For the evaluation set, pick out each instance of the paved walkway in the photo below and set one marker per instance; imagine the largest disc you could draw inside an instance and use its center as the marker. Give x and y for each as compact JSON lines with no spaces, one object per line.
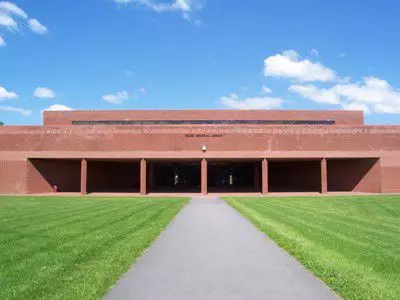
{"x":210,"y":251}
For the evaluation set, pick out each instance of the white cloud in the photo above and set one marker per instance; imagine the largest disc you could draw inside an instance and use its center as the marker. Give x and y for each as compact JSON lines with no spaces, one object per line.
{"x":186,"y":7}
{"x":8,"y":22}
{"x":372,"y":94}
{"x":355,"y":106}
{"x":36,"y":27}
{"x":44,"y":93}
{"x":11,"y":17}
{"x":318,"y":95}
{"x":265,"y":90}
{"x":123,"y":1}
{"x":233,"y":101}
{"x":4,"y":94}
{"x":24,"y":112}
{"x":387,"y":109}
{"x":314,"y":52}
{"x":177,"y":5}
{"x":118,"y":98}
{"x":8,"y":11}
{"x":57,"y":107}
{"x":12,"y":9}
{"x":142,"y":90}
{"x":2,"y":42}
{"x":289,"y":65}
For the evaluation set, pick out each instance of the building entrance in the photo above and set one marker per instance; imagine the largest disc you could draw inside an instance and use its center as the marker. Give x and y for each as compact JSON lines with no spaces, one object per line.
{"x":240,"y":176}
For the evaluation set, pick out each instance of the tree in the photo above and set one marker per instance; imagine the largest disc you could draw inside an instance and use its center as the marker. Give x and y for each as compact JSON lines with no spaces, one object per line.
{"x":1,"y":123}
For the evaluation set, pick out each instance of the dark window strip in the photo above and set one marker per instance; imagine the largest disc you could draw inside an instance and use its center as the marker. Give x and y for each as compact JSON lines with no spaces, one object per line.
{"x":206,"y":122}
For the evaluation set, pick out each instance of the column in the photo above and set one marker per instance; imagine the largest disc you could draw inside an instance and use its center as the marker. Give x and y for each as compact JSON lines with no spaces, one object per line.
{"x":265,"y":174}
{"x":204,"y":176}
{"x":83,"y":177}
{"x":143,"y":167}
{"x":324,"y":176}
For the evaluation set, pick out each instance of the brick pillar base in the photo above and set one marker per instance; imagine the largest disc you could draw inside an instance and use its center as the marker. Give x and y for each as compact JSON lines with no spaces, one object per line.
{"x":264,"y":168}
{"x":324,"y":176}
{"x":143,"y":177}
{"x":83,"y":177}
{"x":204,"y":176}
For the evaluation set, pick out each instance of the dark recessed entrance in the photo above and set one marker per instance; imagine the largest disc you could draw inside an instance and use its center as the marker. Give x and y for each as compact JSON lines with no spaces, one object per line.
{"x":294,"y":176}
{"x":113,"y":176}
{"x":234,"y":176}
{"x":171,"y":177}
{"x":45,"y":173}
{"x":354,"y":175}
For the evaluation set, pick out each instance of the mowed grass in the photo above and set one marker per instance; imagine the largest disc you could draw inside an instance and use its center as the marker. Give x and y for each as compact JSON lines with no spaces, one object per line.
{"x":74,"y":248}
{"x":351,"y":243}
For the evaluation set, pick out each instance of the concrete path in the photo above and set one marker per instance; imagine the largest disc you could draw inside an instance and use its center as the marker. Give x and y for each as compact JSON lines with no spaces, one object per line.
{"x":209,"y":251}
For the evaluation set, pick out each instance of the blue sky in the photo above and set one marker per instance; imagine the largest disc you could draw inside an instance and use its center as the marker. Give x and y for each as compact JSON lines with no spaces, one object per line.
{"x":211,"y":54}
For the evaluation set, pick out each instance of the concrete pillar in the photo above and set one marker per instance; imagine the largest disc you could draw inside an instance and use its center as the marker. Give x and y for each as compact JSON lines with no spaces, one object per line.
{"x":264,"y":169}
{"x":143,"y":177}
{"x":83,"y":177}
{"x":324,"y":176}
{"x":204,"y":176}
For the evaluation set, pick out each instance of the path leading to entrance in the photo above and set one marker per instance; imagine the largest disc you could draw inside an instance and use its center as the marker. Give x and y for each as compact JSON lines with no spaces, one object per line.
{"x":210,"y":251}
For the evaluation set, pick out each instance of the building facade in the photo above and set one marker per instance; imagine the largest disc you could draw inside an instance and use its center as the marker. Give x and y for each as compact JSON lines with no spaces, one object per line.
{"x":200,"y":152}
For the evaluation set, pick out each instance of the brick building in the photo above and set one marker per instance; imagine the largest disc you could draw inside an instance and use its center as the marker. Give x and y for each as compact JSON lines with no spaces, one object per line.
{"x":200,"y":152}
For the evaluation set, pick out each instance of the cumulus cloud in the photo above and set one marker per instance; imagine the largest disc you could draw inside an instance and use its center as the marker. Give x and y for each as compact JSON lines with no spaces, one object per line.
{"x":290,"y":65}
{"x":318,"y":95}
{"x":37,"y":27}
{"x":44,"y":93}
{"x":233,"y":101}
{"x":265,"y":90}
{"x":117,"y":98}
{"x":7,"y":21}
{"x":57,"y":107}
{"x":12,"y":9}
{"x":4,"y":94}
{"x":9,"y":13}
{"x":371,"y":94}
{"x":186,"y":7}
{"x":355,"y":106}
{"x":2,"y":42}
{"x":12,"y":16}
{"x":22,"y":111}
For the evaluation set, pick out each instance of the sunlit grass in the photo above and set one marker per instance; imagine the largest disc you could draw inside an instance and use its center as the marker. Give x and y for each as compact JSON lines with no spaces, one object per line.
{"x":74,"y":248}
{"x":351,"y":243}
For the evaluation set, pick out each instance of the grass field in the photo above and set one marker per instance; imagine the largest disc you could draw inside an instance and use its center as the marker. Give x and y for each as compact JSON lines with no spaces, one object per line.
{"x":74,"y":248}
{"x":351,"y":243}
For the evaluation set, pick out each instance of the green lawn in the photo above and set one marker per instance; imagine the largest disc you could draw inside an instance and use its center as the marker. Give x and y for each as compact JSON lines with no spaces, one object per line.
{"x":351,"y":243}
{"x":74,"y":248}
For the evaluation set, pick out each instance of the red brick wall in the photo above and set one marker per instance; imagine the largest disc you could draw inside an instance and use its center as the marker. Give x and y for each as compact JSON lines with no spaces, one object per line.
{"x":66,"y":117}
{"x":12,"y":176}
{"x":390,"y":175}
{"x":42,"y":174}
{"x":167,"y":138}
{"x":354,"y":175}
